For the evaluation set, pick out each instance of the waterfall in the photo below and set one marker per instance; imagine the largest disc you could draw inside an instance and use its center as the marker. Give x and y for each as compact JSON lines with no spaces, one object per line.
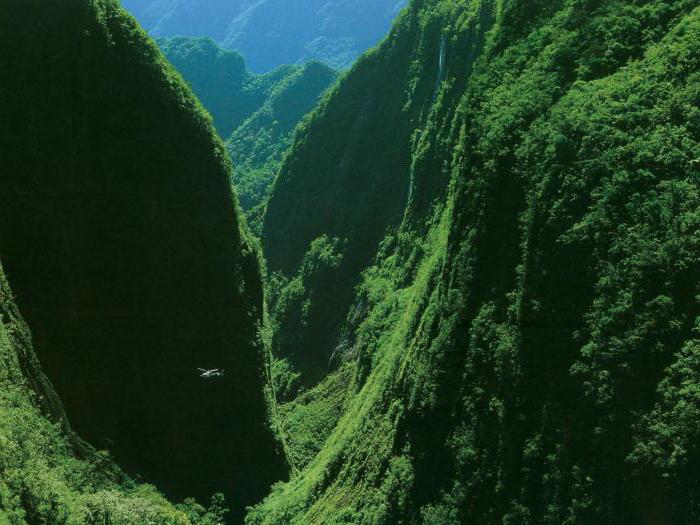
{"x":441,"y":67}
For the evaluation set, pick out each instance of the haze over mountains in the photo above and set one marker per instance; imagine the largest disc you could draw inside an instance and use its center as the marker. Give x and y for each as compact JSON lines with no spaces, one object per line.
{"x":269,"y":33}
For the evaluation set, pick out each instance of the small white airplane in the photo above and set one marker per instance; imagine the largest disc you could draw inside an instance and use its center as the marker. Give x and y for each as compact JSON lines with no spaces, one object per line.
{"x":214,"y":372}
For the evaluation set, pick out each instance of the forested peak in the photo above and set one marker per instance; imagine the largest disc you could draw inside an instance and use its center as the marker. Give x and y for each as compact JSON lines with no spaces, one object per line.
{"x":182,"y":48}
{"x":287,"y":96}
{"x":219,"y":77}
{"x":256,"y":113}
{"x":274,"y":32}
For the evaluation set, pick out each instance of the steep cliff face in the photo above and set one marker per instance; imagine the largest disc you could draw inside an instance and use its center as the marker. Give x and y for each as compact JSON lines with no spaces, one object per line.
{"x":346,"y":178}
{"x":523,"y":347}
{"x":121,"y":237}
{"x":349,"y":179}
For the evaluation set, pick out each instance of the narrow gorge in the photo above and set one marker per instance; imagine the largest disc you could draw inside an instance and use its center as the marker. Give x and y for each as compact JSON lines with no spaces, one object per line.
{"x":461,"y":286}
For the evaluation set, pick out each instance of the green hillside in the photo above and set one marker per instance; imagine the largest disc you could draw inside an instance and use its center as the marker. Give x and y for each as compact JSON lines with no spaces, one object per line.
{"x":480,"y":300}
{"x":488,"y":238}
{"x":219,"y":78}
{"x":260,"y":143}
{"x":122,"y":239}
{"x":255,"y":114}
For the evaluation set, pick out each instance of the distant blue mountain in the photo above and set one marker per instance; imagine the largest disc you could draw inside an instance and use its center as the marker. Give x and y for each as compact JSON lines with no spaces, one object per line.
{"x":273,"y":32}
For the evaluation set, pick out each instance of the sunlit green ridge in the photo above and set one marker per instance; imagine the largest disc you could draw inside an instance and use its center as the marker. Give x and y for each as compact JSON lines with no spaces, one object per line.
{"x":520,"y":347}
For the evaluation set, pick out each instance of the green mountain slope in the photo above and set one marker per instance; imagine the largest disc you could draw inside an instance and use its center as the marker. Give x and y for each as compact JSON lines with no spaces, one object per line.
{"x":218,"y":77}
{"x":256,"y":113}
{"x":495,"y":216}
{"x":343,"y":183}
{"x":122,"y":240}
{"x":259,"y":143}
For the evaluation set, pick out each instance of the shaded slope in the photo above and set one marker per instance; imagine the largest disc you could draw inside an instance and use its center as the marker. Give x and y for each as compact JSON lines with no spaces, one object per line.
{"x":524,"y":347}
{"x":121,"y":237}
{"x":42,"y":479}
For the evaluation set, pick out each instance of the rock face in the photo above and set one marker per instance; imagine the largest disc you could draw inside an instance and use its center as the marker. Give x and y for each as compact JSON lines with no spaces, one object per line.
{"x":122,"y":239}
{"x":273,"y":32}
{"x":496,"y":212}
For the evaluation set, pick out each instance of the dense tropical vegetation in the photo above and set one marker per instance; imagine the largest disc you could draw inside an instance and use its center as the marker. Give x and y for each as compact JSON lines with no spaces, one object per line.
{"x":489,"y":286}
{"x":123,"y":241}
{"x":255,"y":114}
{"x":480,"y":302}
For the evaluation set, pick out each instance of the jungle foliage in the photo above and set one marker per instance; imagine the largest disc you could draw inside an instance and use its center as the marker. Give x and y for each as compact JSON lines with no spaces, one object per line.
{"x":482,"y":278}
{"x":255,"y":114}
{"x":259,"y":144}
{"x":515,"y":197}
